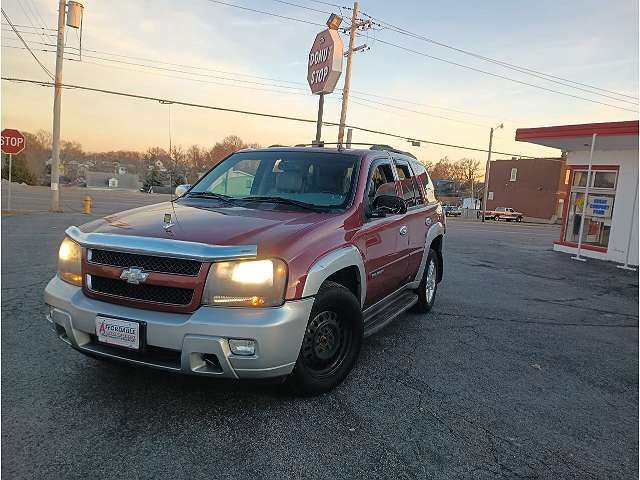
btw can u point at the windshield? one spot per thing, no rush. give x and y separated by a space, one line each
313 178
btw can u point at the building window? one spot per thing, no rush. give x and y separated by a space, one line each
514 175
597 210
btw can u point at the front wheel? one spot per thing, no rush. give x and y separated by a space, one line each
429 284
497 218
331 342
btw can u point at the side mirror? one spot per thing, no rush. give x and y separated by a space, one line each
182 189
384 205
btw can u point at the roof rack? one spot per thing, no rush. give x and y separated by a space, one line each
372 146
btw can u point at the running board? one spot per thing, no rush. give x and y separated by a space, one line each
379 318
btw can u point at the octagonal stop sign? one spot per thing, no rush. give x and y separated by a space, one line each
12 141
325 62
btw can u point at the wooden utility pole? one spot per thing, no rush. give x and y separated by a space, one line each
347 76
57 100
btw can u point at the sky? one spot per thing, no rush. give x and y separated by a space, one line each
232 57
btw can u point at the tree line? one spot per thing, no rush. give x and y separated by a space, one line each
180 164
33 165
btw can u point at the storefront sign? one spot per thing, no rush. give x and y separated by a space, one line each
325 62
599 206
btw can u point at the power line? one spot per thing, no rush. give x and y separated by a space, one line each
31 26
468 67
252 113
525 70
311 9
291 90
300 20
256 83
26 45
521 82
27 16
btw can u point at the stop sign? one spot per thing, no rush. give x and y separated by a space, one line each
325 62
12 141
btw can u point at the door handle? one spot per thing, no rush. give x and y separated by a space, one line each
403 230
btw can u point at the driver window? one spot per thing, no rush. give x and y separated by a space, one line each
381 182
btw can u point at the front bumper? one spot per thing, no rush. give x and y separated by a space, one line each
195 343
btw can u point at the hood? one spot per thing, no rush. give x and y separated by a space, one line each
271 230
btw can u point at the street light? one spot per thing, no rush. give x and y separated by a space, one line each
486 172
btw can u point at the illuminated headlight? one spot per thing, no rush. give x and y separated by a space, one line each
252 283
69 262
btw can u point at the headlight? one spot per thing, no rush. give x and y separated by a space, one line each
69 262
252 283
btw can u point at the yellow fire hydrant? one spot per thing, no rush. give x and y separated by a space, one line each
86 204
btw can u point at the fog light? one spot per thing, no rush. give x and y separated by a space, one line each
242 347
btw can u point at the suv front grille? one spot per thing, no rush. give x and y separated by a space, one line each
149 263
144 292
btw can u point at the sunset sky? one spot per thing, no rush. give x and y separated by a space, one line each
225 50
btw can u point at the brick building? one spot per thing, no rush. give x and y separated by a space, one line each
535 187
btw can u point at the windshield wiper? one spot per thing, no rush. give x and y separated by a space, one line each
287 201
217 196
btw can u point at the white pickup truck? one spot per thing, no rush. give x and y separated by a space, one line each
504 213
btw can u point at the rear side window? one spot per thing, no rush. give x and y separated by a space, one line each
410 191
425 181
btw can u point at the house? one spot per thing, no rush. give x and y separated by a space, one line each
602 165
533 186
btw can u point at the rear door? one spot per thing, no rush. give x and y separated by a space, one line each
379 238
421 210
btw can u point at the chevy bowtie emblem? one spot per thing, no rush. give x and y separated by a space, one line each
134 275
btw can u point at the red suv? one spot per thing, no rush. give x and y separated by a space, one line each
276 263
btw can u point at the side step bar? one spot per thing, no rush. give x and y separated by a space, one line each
378 318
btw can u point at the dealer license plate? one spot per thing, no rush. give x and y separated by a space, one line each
114 331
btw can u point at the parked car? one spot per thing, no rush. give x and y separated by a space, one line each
452 211
504 213
282 279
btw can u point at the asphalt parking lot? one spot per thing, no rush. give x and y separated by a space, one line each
526 368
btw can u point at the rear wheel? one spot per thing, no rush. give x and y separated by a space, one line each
496 218
331 342
429 284
518 219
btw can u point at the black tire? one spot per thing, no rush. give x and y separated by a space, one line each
425 298
496 218
519 219
331 343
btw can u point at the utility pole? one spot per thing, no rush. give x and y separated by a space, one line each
347 77
487 171
57 100
73 19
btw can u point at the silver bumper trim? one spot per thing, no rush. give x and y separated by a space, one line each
277 331
165 247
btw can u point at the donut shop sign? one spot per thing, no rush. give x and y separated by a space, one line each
325 62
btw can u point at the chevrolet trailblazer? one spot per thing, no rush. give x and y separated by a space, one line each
276 263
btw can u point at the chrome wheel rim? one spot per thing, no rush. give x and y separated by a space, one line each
430 287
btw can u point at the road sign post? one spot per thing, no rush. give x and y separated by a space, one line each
12 143
324 69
